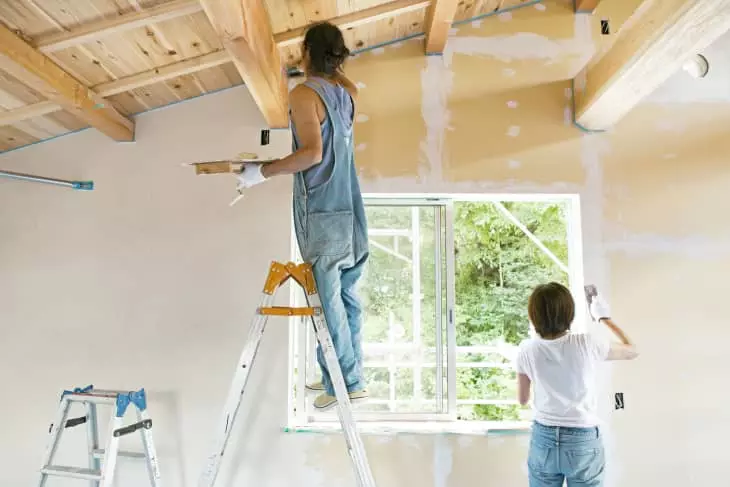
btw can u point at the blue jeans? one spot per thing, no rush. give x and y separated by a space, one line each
559 453
336 278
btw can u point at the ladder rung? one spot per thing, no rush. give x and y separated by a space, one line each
126 454
95 398
286 311
72 472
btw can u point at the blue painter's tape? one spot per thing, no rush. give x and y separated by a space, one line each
575 122
497 12
83 185
387 43
78 390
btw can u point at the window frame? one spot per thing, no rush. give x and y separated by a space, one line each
299 414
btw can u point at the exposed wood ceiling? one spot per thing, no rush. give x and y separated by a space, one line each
142 54
70 64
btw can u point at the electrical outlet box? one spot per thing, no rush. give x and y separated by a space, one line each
619 400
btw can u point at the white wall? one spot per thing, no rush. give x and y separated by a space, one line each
148 281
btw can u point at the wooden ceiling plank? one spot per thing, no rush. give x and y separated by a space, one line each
245 32
40 73
96 30
356 19
439 17
128 83
586 6
652 46
163 73
27 112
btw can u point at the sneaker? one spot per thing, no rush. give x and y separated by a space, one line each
325 402
315 387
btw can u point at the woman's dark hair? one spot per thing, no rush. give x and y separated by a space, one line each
551 309
326 48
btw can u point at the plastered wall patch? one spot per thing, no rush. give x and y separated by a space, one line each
361 118
361 85
541 7
513 164
513 131
436 84
512 104
508 72
518 47
442 462
378 51
361 147
476 24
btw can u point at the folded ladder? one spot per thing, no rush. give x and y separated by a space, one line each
101 474
278 274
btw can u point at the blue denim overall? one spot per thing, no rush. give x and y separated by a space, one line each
331 230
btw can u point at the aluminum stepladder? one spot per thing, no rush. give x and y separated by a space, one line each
101 474
279 274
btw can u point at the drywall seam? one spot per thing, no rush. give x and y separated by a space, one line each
437 81
516 47
694 247
443 460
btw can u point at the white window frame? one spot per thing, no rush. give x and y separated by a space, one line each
300 411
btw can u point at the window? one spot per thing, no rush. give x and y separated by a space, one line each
445 305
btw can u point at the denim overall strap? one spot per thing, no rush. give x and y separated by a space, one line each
328 211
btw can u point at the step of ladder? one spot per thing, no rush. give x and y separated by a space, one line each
126 454
72 472
102 459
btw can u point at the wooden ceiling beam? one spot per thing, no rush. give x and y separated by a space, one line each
439 17
586 6
122 85
653 44
40 73
244 29
356 19
97 30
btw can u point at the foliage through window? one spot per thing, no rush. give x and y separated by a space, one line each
445 306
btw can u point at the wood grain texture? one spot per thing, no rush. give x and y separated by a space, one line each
586 6
439 17
245 31
118 24
653 45
38 72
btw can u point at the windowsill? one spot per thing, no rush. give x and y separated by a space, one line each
479 428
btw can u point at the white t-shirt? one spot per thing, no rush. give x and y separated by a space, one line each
564 377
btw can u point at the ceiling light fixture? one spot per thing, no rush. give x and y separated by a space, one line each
697 66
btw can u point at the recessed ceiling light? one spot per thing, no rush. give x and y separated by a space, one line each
697 66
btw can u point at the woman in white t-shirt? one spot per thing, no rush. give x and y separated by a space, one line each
561 367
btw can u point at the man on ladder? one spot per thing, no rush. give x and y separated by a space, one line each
329 215
329 219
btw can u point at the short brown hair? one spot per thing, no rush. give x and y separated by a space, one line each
551 309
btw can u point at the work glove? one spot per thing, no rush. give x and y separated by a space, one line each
599 308
250 176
